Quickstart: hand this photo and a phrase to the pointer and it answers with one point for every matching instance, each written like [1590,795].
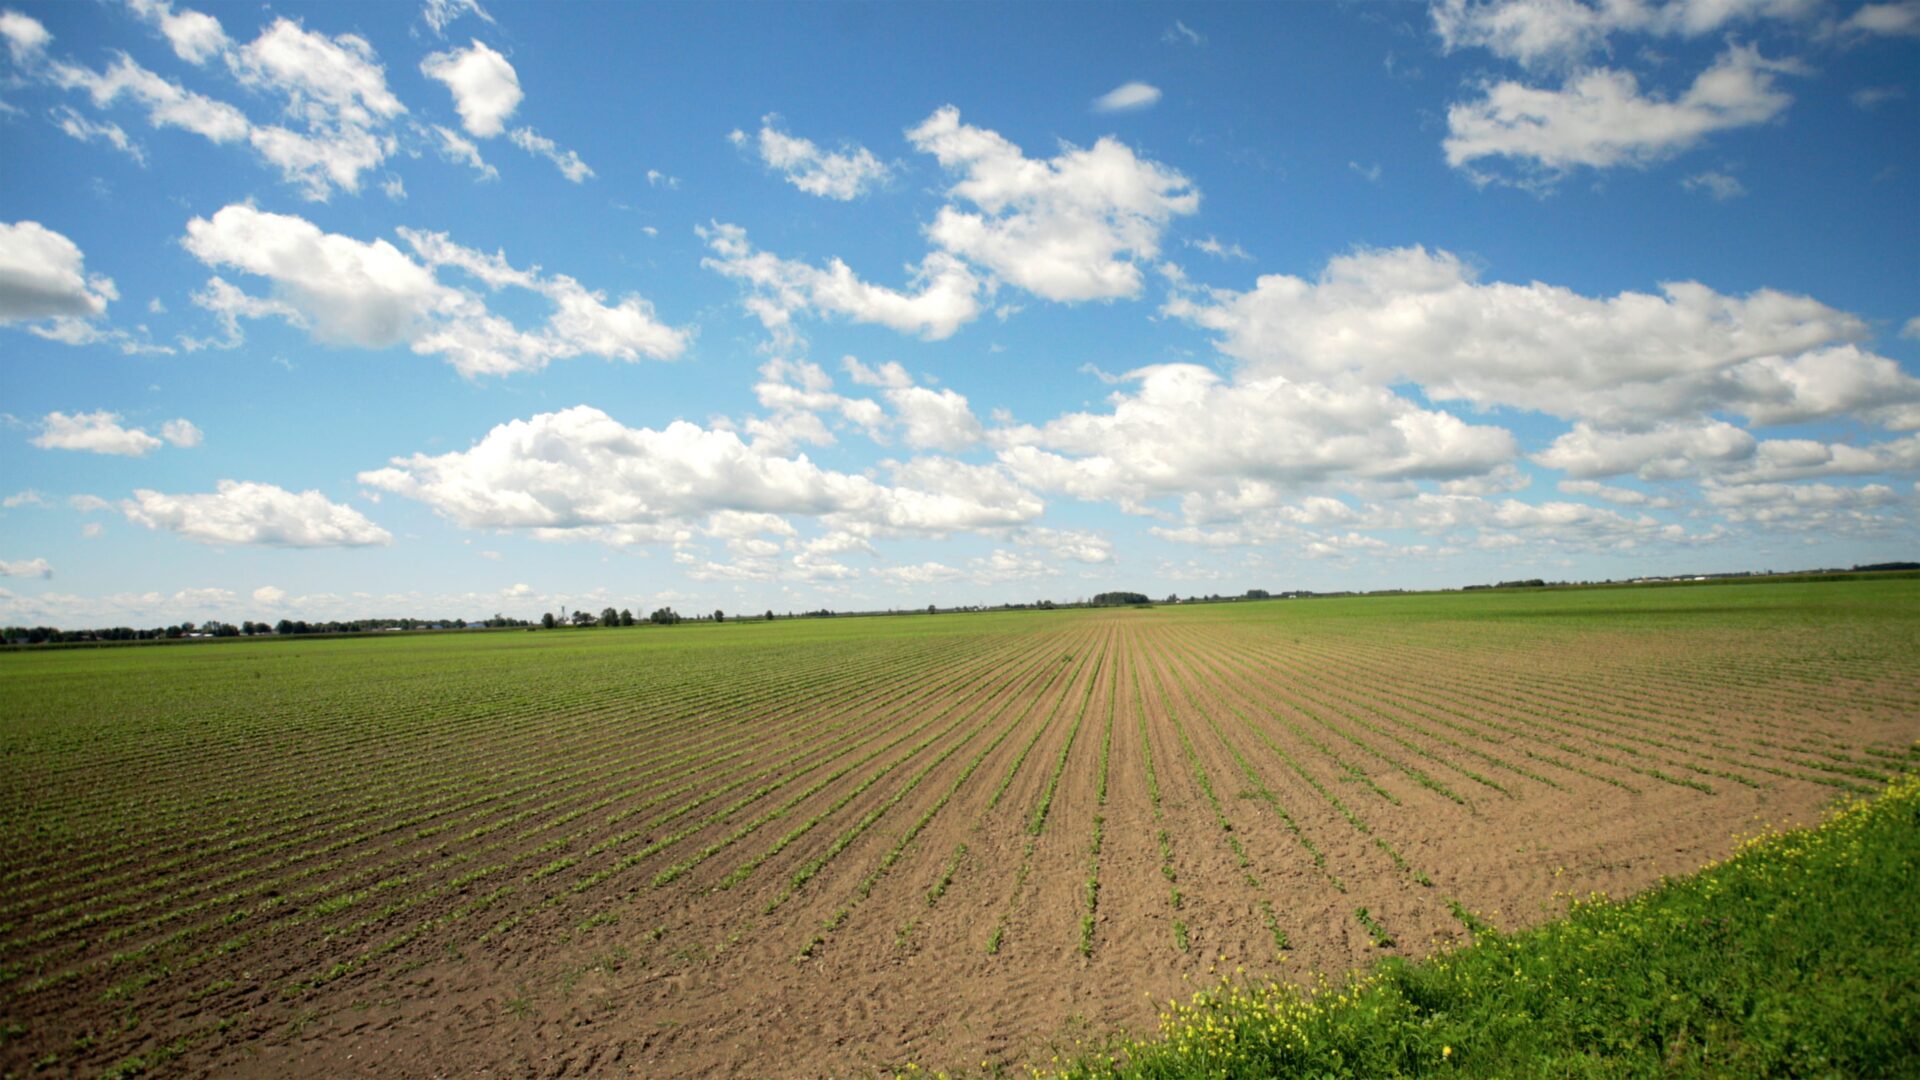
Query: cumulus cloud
[43,275]
[373,295]
[845,174]
[101,433]
[1066,228]
[79,127]
[1898,19]
[253,514]
[439,13]
[1127,97]
[336,89]
[579,469]
[947,296]
[1076,544]
[195,36]
[1719,185]
[1184,430]
[1600,118]
[1661,453]
[270,595]
[1560,32]
[336,106]
[1615,494]
[485,88]
[39,568]
[1410,315]
[1776,460]
[26,37]
[460,150]
[1803,506]
[539,145]
[930,419]
[167,103]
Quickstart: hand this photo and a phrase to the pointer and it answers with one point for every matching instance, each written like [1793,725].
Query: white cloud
[336,88]
[181,433]
[947,298]
[372,295]
[196,37]
[1801,506]
[1717,184]
[1600,119]
[100,433]
[334,92]
[1776,460]
[461,150]
[1185,431]
[1898,19]
[92,530]
[579,469]
[1127,97]
[926,573]
[1661,453]
[1075,544]
[566,161]
[43,275]
[26,37]
[79,127]
[1560,32]
[1614,494]
[844,175]
[1066,228]
[1212,246]
[245,513]
[439,13]
[167,103]
[1872,97]
[932,419]
[1182,34]
[39,568]
[29,497]
[485,88]
[269,595]
[1410,315]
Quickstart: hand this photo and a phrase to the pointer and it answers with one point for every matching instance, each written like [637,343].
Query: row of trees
[215,628]
[662,616]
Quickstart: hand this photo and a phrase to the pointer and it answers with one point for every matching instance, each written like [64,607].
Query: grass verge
[1798,956]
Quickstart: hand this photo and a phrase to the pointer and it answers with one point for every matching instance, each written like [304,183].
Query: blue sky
[382,309]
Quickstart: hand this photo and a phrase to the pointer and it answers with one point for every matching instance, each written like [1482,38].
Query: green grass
[1799,956]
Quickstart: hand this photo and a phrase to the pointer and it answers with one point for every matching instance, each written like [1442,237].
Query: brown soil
[861,969]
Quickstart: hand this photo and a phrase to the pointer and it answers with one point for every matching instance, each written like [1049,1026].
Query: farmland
[827,846]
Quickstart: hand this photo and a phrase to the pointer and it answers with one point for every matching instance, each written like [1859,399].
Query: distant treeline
[38,635]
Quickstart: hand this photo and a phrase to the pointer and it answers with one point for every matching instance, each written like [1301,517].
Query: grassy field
[988,833]
[1799,956]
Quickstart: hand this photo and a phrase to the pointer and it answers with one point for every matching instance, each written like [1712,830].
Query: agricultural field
[853,846]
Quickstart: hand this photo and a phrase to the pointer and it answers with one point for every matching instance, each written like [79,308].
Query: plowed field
[830,847]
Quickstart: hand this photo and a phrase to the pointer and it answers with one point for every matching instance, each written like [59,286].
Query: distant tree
[769,614]
[719,616]
[931,610]
[626,617]
[609,617]
[1173,598]
[664,616]
[547,621]
[1114,599]
[583,618]
[1259,594]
